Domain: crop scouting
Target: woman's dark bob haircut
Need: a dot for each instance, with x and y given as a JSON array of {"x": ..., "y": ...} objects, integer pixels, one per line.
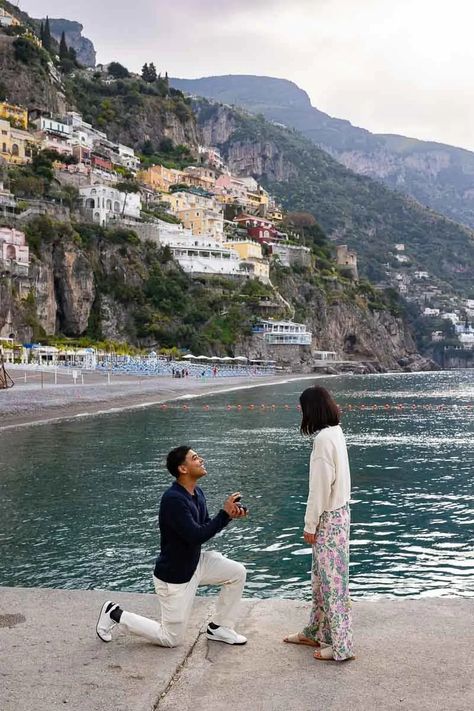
[{"x": 319, "y": 410}]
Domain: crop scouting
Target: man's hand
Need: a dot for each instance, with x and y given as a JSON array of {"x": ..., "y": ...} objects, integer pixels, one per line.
[
  {"x": 309, "y": 538},
  {"x": 231, "y": 508}
]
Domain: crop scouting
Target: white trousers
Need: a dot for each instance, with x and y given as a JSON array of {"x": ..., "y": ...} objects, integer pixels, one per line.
[{"x": 176, "y": 600}]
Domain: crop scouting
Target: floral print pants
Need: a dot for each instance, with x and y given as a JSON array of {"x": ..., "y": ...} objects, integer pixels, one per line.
[{"x": 331, "y": 620}]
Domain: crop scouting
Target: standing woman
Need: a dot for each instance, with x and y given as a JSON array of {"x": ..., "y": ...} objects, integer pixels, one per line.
[{"x": 326, "y": 528}]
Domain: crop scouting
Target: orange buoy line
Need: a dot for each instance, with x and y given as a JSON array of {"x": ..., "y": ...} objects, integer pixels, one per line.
[{"x": 348, "y": 407}]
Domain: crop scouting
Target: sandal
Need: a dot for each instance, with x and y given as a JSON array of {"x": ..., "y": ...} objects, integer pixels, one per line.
[
  {"x": 298, "y": 638},
  {"x": 325, "y": 655}
]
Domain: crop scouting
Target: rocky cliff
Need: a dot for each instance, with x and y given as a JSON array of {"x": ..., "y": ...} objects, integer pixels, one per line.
[
  {"x": 435, "y": 174},
  {"x": 84, "y": 48},
  {"x": 29, "y": 83},
  {"x": 86, "y": 281}
]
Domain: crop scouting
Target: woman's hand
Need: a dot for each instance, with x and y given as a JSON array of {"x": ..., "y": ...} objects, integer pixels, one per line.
[{"x": 309, "y": 538}]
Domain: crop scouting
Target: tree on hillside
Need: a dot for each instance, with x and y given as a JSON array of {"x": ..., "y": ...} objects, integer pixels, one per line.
[
  {"x": 63, "y": 49},
  {"x": 300, "y": 220},
  {"x": 127, "y": 186},
  {"x": 47, "y": 43},
  {"x": 117, "y": 70},
  {"x": 149, "y": 73}
]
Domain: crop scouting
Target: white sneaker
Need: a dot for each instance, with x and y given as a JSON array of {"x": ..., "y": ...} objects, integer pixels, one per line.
[
  {"x": 225, "y": 634},
  {"x": 105, "y": 623}
]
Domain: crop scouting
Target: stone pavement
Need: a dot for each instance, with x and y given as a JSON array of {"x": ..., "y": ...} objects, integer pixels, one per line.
[{"x": 411, "y": 655}]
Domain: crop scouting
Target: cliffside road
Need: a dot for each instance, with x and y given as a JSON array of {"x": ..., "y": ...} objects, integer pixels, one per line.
[{"x": 411, "y": 654}]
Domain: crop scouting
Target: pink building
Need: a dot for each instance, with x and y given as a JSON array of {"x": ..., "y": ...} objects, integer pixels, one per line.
[{"x": 13, "y": 247}]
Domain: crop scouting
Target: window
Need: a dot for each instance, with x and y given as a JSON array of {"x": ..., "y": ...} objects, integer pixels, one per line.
[
  {"x": 15, "y": 150},
  {"x": 4, "y": 148}
]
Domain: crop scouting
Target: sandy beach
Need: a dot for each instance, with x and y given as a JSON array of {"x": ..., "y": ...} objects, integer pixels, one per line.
[{"x": 37, "y": 399}]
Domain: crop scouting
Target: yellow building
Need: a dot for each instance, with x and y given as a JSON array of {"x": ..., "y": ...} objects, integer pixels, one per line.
[
  {"x": 199, "y": 177},
  {"x": 258, "y": 199},
  {"x": 160, "y": 178},
  {"x": 276, "y": 215},
  {"x": 16, "y": 146},
  {"x": 246, "y": 249},
  {"x": 16, "y": 115},
  {"x": 251, "y": 253}
]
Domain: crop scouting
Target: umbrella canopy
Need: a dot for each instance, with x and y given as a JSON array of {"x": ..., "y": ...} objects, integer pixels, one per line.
[
  {"x": 241, "y": 358},
  {"x": 188, "y": 356}
]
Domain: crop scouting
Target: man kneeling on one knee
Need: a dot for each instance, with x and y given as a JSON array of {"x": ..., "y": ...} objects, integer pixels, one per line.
[{"x": 181, "y": 565}]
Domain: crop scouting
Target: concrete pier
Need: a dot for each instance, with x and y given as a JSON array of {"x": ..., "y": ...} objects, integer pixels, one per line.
[{"x": 411, "y": 655}]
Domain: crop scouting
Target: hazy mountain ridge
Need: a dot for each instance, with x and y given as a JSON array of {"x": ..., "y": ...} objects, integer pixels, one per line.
[
  {"x": 350, "y": 208},
  {"x": 437, "y": 175}
]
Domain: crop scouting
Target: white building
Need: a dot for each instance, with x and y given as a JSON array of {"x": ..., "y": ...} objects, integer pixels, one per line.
[
  {"x": 54, "y": 134},
  {"x": 431, "y": 312},
  {"x": 283, "y": 333},
  {"x": 128, "y": 158},
  {"x": 451, "y": 316},
  {"x": 105, "y": 203},
  {"x": 400, "y": 247},
  {"x": 201, "y": 254},
  {"x": 467, "y": 340},
  {"x": 421, "y": 275}
]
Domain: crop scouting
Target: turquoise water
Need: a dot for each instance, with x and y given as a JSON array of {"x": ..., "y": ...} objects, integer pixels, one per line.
[{"x": 80, "y": 498}]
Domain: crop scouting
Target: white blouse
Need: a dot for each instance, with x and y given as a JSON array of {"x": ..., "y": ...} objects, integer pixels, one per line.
[{"x": 329, "y": 476}]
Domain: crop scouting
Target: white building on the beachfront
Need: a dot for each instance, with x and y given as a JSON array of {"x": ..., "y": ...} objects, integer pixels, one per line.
[
  {"x": 286, "y": 333},
  {"x": 105, "y": 203}
]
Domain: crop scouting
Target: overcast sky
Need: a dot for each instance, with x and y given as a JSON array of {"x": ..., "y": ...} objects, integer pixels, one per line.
[{"x": 391, "y": 66}]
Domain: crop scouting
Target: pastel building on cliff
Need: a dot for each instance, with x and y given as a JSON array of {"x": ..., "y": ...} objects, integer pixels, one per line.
[
  {"x": 14, "y": 252},
  {"x": 16, "y": 115},
  {"x": 105, "y": 204},
  {"x": 250, "y": 253},
  {"x": 348, "y": 259},
  {"x": 16, "y": 145},
  {"x": 160, "y": 178},
  {"x": 7, "y": 19},
  {"x": 201, "y": 214}
]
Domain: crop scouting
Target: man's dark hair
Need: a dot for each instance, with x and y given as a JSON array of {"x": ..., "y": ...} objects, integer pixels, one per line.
[
  {"x": 319, "y": 410},
  {"x": 175, "y": 458}
]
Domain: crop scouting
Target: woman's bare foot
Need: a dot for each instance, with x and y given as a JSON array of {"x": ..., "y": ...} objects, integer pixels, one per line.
[{"x": 299, "y": 638}]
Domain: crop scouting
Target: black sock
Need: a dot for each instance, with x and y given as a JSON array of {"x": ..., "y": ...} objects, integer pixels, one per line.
[
  {"x": 116, "y": 614},
  {"x": 213, "y": 626}
]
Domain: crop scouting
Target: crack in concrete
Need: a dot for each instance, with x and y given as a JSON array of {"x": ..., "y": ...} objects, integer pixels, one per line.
[{"x": 177, "y": 673}]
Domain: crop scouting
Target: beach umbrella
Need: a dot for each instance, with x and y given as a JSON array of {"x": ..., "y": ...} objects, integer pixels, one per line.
[
  {"x": 227, "y": 358},
  {"x": 241, "y": 358},
  {"x": 188, "y": 356}
]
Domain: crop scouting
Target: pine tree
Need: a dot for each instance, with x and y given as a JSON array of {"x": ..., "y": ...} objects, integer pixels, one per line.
[
  {"x": 47, "y": 36},
  {"x": 153, "y": 74},
  {"x": 63, "y": 49},
  {"x": 42, "y": 32},
  {"x": 145, "y": 72}
]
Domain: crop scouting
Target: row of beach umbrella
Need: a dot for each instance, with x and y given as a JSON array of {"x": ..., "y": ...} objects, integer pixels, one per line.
[{"x": 225, "y": 359}]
